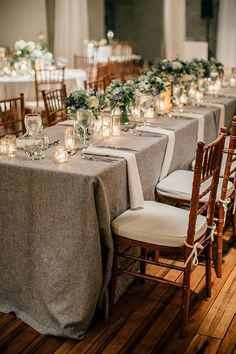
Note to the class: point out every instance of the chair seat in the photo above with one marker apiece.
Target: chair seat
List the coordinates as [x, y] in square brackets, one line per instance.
[158, 224]
[178, 185]
[32, 105]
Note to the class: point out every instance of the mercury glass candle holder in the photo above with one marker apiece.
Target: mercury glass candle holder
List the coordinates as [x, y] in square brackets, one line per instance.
[11, 145]
[61, 154]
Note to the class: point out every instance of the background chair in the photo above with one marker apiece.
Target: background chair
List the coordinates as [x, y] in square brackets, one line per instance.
[174, 230]
[84, 63]
[98, 85]
[45, 79]
[54, 104]
[12, 116]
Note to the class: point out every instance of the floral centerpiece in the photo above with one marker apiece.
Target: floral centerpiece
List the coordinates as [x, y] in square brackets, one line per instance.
[171, 71]
[121, 95]
[149, 83]
[205, 68]
[84, 99]
[24, 50]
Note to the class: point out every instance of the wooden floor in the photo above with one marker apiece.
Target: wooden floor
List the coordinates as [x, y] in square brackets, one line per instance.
[146, 320]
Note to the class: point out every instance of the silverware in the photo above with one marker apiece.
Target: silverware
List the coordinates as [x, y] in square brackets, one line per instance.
[116, 148]
[56, 142]
[104, 158]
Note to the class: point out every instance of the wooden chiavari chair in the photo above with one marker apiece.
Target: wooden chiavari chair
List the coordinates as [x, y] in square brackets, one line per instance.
[45, 79]
[84, 63]
[176, 188]
[54, 103]
[12, 116]
[174, 230]
[227, 201]
[98, 85]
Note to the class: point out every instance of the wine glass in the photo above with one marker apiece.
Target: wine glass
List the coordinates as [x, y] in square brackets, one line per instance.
[84, 118]
[146, 106]
[177, 92]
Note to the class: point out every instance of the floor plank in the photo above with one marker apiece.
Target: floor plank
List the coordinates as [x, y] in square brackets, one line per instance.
[228, 345]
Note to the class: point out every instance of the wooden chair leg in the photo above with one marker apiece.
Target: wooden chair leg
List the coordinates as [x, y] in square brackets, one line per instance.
[113, 281]
[185, 303]
[234, 226]
[219, 242]
[208, 268]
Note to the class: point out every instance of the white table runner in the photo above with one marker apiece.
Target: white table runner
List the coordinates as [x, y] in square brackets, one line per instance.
[222, 112]
[135, 187]
[170, 146]
[199, 116]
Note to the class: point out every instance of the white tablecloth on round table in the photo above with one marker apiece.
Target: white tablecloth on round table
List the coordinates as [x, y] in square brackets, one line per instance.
[11, 87]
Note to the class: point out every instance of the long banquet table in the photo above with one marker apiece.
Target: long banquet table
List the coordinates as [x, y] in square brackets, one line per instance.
[56, 242]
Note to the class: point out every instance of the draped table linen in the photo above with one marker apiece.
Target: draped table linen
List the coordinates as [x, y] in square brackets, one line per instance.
[56, 241]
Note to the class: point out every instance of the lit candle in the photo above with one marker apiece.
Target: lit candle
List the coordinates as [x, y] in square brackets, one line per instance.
[61, 154]
[116, 126]
[106, 127]
[161, 104]
[11, 145]
[199, 97]
[149, 113]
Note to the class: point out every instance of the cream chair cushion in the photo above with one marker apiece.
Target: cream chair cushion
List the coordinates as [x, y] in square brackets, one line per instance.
[158, 224]
[178, 184]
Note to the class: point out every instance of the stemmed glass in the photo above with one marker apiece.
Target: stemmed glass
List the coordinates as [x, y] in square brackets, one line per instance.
[177, 92]
[146, 106]
[83, 119]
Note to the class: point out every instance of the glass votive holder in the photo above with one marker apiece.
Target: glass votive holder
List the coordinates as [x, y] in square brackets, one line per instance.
[160, 104]
[115, 125]
[11, 145]
[106, 126]
[69, 139]
[3, 146]
[61, 154]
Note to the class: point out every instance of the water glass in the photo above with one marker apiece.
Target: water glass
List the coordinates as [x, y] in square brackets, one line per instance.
[33, 122]
[69, 139]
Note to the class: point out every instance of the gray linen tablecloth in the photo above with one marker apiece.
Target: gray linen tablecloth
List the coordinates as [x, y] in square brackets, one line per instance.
[56, 242]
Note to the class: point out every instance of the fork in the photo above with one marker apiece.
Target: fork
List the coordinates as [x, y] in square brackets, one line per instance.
[98, 158]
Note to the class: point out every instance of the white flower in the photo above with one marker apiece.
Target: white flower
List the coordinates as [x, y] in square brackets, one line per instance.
[37, 53]
[176, 65]
[30, 46]
[19, 45]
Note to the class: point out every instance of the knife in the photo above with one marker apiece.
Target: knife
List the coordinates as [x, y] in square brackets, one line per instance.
[116, 148]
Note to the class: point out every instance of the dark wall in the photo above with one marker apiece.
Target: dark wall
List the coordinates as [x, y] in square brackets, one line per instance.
[196, 26]
[139, 21]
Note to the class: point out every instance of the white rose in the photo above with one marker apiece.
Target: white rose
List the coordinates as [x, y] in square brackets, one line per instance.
[93, 101]
[36, 53]
[30, 46]
[19, 45]
[176, 65]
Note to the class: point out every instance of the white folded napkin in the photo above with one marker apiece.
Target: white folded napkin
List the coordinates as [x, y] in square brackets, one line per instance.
[69, 122]
[222, 112]
[135, 187]
[199, 116]
[170, 146]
